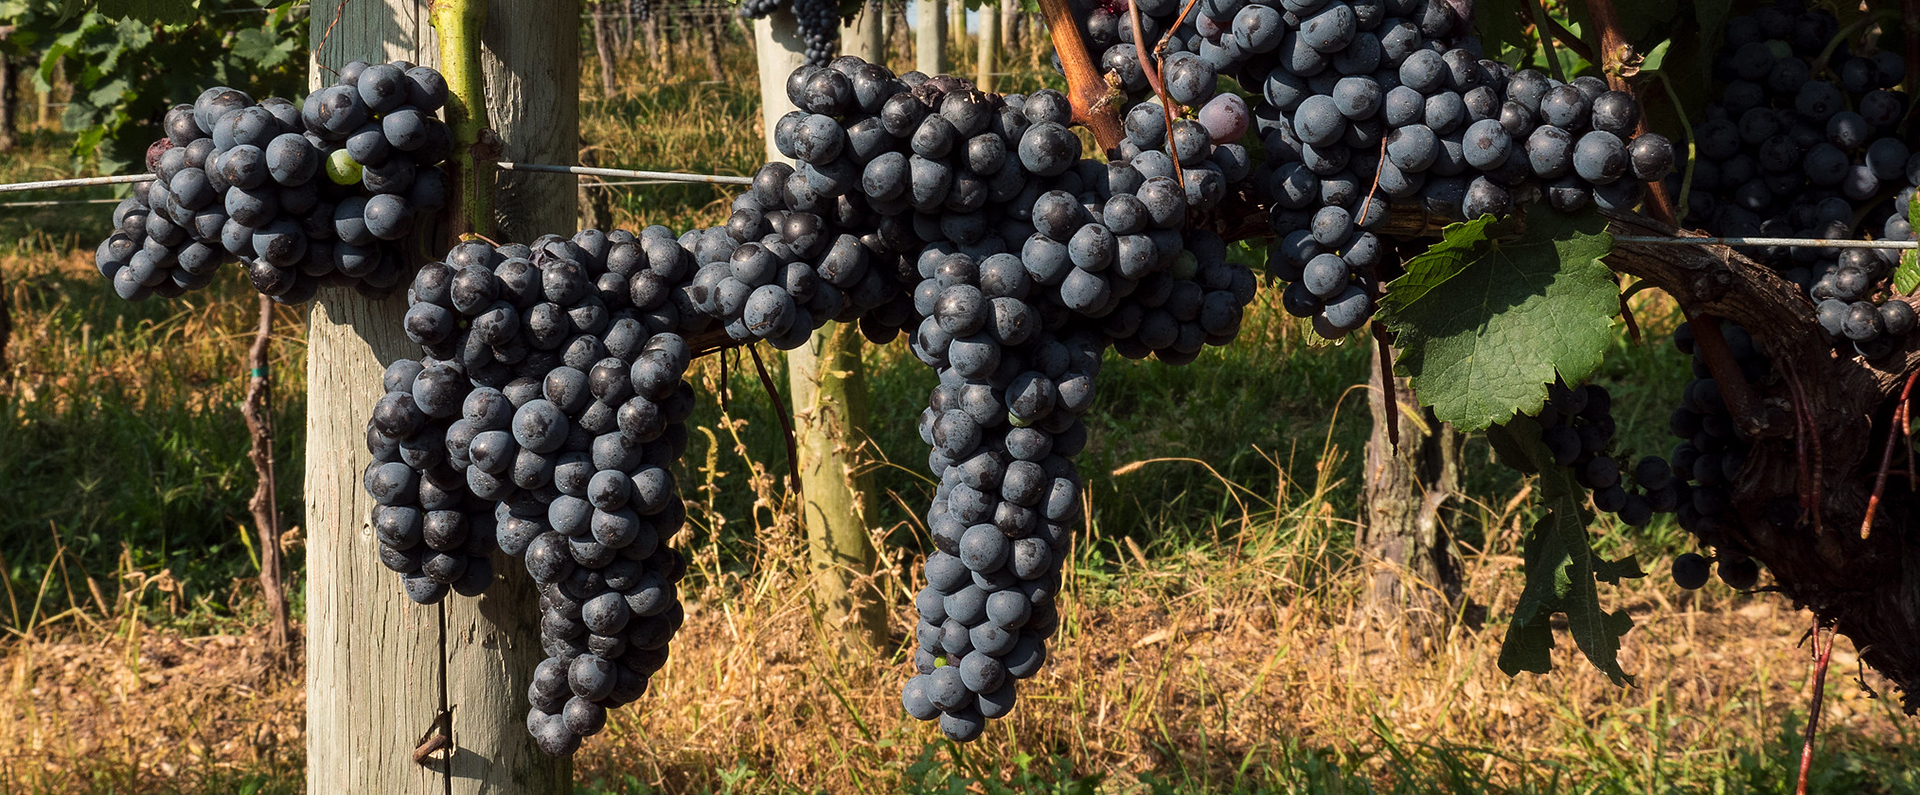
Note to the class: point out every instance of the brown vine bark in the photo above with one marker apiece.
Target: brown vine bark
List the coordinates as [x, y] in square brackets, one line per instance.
[1416, 581]
[6, 329]
[711, 31]
[1094, 102]
[1867, 588]
[603, 47]
[656, 53]
[258, 412]
[7, 92]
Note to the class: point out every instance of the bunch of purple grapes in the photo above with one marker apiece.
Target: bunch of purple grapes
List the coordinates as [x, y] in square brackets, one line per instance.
[301, 195]
[1788, 151]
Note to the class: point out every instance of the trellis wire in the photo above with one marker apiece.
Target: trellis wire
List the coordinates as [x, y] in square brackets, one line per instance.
[666, 177]
[75, 183]
[653, 176]
[56, 202]
[1797, 242]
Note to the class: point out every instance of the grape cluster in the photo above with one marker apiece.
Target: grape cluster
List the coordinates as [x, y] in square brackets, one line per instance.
[1695, 481]
[1577, 427]
[1800, 147]
[818, 22]
[302, 195]
[1708, 459]
[1431, 126]
[1361, 105]
[543, 415]
[973, 220]
[424, 517]
[1004, 425]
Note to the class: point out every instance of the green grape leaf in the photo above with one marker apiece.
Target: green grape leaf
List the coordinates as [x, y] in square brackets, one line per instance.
[1485, 319]
[1502, 23]
[263, 48]
[1656, 56]
[1907, 275]
[165, 12]
[1562, 572]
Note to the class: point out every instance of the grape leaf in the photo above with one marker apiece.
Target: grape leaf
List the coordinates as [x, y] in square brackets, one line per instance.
[1562, 570]
[263, 48]
[1907, 275]
[1656, 57]
[1502, 23]
[165, 12]
[1484, 323]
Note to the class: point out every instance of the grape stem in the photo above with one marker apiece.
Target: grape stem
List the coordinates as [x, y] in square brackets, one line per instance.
[1540, 28]
[1159, 84]
[1086, 89]
[1391, 401]
[781, 409]
[1686, 182]
[1617, 59]
[1821, 658]
[1826, 55]
[1901, 411]
[459, 23]
[1160, 50]
[1570, 39]
[1626, 314]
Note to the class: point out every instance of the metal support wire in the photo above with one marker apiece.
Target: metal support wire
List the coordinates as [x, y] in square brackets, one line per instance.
[59, 202]
[75, 183]
[1798, 242]
[659, 177]
[666, 176]
[651, 176]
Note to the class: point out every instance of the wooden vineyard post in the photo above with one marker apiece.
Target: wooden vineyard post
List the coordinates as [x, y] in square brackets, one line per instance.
[988, 39]
[381, 669]
[864, 37]
[957, 25]
[930, 38]
[827, 383]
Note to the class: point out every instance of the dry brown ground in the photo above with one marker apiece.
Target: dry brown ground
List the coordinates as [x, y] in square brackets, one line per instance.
[1198, 665]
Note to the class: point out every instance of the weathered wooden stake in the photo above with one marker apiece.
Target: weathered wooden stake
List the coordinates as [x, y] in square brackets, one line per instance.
[380, 669]
[988, 39]
[257, 410]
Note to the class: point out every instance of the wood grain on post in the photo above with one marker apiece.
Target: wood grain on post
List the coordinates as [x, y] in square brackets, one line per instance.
[378, 664]
[826, 381]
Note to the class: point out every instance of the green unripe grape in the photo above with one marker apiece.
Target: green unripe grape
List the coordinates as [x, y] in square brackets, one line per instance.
[341, 168]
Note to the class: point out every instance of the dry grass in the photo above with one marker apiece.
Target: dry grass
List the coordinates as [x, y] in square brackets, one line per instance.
[1220, 667]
